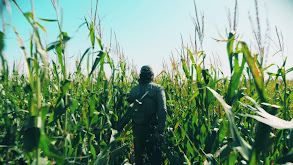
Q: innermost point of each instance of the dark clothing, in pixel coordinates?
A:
(147, 147)
(153, 105)
(148, 122)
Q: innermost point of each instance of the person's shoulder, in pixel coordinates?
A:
(134, 89)
(156, 86)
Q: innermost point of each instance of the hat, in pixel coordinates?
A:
(146, 74)
(146, 69)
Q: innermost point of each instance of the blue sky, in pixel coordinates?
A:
(149, 31)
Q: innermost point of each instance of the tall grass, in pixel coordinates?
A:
(54, 115)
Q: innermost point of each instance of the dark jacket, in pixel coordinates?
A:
(153, 107)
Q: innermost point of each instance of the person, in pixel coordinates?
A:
(149, 118)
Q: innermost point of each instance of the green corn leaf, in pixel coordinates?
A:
(60, 58)
(28, 16)
(48, 20)
(93, 151)
(94, 119)
(92, 104)
(194, 95)
(189, 148)
(55, 71)
(100, 43)
(239, 94)
(289, 70)
(185, 68)
(198, 73)
(254, 160)
(56, 44)
(236, 70)
(82, 57)
(256, 73)
(222, 131)
(230, 49)
(280, 123)
(268, 67)
(42, 27)
(267, 118)
(50, 150)
(99, 57)
(65, 86)
(206, 76)
(31, 45)
(284, 62)
(110, 61)
(74, 106)
(92, 34)
(1, 42)
(69, 145)
(232, 158)
(102, 159)
(241, 145)
(192, 54)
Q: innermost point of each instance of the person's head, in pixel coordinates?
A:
(146, 74)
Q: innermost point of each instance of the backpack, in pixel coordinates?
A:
(146, 108)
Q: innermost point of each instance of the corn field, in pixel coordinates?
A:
(55, 115)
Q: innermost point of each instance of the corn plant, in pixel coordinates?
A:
(54, 115)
